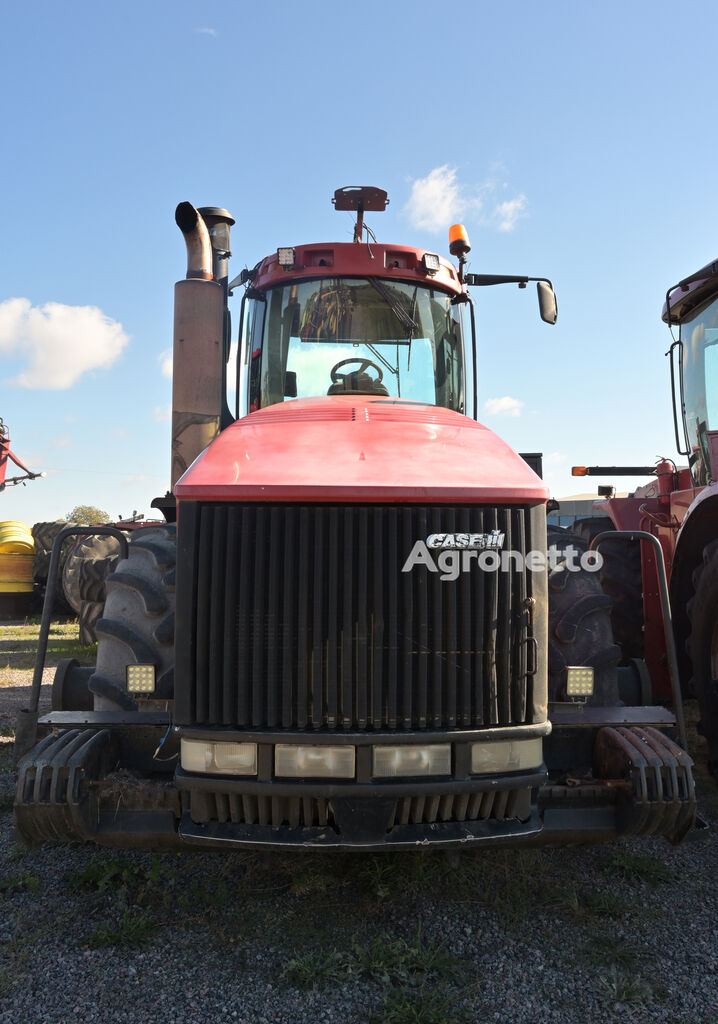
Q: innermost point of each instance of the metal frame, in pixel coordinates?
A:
(69, 531)
(643, 535)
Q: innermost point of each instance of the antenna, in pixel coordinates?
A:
(360, 198)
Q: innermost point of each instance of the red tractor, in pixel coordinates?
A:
(680, 508)
(341, 636)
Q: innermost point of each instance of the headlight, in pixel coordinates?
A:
(319, 762)
(505, 756)
(433, 759)
(221, 758)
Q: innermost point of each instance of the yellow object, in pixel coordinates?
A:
(459, 241)
(15, 574)
(15, 538)
(16, 558)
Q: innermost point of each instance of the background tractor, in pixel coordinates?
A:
(340, 636)
(680, 508)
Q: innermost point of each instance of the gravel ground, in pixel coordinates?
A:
(627, 931)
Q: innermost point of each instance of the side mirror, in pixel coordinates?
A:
(548, 307)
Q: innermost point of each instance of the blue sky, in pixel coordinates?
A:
(573, 140)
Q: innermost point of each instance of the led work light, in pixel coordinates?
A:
(285, 256)
(579, 683)
(140, 678)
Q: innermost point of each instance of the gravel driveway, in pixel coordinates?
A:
(625, 932)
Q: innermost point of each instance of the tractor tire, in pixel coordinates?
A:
(88, 564)
(90, 612)
(137, 626)
(44, 536)
(621, 579)
(702, 646)
(579, 626)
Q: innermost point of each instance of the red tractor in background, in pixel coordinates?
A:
(680, 508)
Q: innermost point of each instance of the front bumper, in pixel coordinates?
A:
(72, 785)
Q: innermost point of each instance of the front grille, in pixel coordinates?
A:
(301, 618)
(309, 812)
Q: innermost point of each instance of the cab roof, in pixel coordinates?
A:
(358, 259)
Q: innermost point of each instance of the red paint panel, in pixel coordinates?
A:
(359, 449)
(349, 259)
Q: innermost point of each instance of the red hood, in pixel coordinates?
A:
(359, 449)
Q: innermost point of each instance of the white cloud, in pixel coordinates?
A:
(163, 412)
(504, 406)
(437, 200)
(440, 199)
(58, 343)
(206, 32)
(165, 361)
(509, 212)
(136, 478)
(554, 458)
(62, 441)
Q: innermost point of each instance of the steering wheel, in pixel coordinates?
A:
(364, 363)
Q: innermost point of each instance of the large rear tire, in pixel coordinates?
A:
(138, 622)
(702, 646)
(580, 630)
(621, 579)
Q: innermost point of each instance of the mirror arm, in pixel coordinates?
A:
(484, 280)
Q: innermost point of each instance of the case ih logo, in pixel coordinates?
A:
(450, 554)
(493, 541)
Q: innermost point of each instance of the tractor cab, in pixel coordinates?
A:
(362, 318)
(693, 306)
(341, 335)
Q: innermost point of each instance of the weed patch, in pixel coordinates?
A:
(135, 928)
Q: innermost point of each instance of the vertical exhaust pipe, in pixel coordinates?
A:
(198, 362)
(219, 221)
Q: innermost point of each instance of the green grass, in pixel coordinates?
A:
(389, 961)
(605, 904)
(316, 969)
(604, 950)
(621, 988)
(580, 904)
(27, 881)
(19, 645)
(125, 879)
(421, 1005)
(638, 867)
(386, 961)
(135, 928)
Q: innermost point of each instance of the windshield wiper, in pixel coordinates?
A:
(396, 307)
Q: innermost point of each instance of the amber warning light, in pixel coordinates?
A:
(459, 241)
(579, 470)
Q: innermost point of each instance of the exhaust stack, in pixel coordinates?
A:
(198, 362)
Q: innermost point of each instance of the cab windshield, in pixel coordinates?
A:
(700, 385)
(352, 336)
